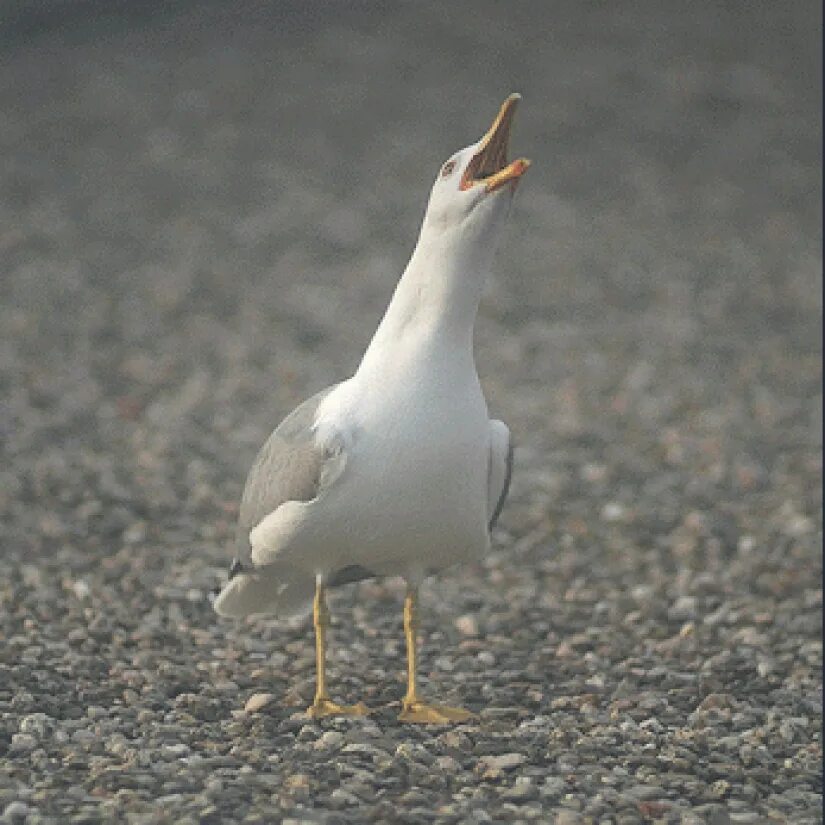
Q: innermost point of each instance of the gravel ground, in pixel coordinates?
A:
(203, 214)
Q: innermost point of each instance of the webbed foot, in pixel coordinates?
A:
(323, 706)
(424, 713)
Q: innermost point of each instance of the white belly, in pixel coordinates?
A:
(413, 496)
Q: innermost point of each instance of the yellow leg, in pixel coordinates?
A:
(413, 709)
(322, 705)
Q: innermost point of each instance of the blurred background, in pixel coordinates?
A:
(204, 208)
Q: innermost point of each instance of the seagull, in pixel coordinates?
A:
(398, 470)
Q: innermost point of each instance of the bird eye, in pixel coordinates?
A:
(447, 168)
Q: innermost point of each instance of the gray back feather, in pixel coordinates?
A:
(287, 468)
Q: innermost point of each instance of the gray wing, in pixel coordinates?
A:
(500, 469)
(287, 468)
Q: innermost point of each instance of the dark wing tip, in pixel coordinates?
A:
(508, 477)
(235, 568)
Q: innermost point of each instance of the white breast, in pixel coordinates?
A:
(415, 494)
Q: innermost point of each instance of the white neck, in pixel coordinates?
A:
(436, 300)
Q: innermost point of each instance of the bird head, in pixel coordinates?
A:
(475, 187)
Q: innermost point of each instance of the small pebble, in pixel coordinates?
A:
(257, 702)
(491, 767)
(15, 813)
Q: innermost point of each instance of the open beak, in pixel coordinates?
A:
(489, 165)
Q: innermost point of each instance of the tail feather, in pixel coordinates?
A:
(279, 590)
